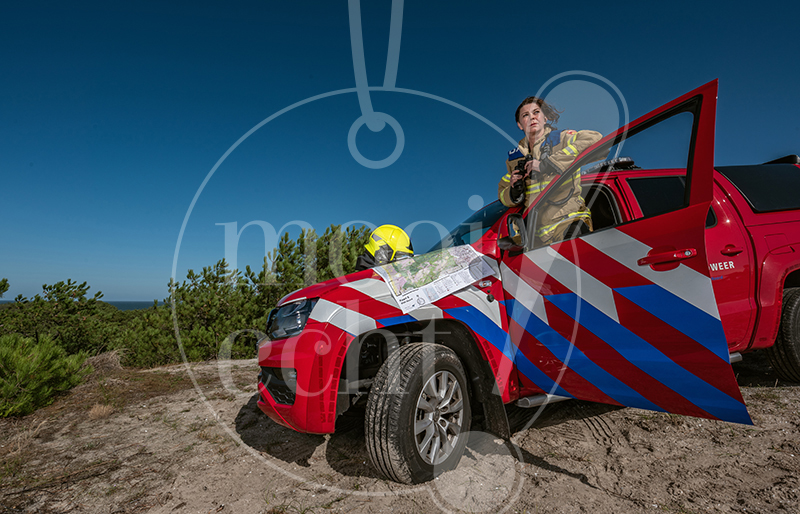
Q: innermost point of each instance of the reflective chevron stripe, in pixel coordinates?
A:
(683, 281)
(578, 334)
(581, 319)
(577, 280)
(350, 321)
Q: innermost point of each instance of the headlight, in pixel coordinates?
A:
(290, 319)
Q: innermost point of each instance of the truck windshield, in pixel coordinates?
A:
(471, 229)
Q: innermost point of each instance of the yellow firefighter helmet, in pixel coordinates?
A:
(389, 243)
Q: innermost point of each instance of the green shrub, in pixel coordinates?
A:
(210, 306)
(32, 373)
(64, 313)
(149, 338)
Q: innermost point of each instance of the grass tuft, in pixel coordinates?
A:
(100, 411)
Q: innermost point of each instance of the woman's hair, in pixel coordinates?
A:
(549, 111)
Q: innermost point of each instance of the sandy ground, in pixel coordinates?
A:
(161, 445)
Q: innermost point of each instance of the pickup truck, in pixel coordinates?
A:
(688, 268)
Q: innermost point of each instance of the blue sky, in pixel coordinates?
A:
(112, 115)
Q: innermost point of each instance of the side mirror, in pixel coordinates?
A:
(517, 240)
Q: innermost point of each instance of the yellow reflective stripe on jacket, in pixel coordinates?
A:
(570, 148)
(546, 229)
(536, 187)
(506, 177)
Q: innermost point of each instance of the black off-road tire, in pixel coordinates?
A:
(392, 413)
(784, 355)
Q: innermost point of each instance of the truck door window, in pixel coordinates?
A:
(664, 143)
(662, 146)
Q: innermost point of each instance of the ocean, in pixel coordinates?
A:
(121, 305)
(131, 306)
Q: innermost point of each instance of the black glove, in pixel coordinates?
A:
(520, 167)
(518, 191)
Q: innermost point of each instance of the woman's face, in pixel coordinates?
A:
(531, 121)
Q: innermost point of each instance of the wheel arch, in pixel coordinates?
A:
(779, 272)
(451, 333)
(487, 399)
(792, 279)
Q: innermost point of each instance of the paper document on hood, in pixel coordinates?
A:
(424, 279)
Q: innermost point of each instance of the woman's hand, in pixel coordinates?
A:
(532, 165)
(518, 175)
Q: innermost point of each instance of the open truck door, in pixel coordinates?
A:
(627, 315)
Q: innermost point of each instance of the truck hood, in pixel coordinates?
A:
(323, 288)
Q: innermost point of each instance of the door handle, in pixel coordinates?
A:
(665, 257)
(731, 250)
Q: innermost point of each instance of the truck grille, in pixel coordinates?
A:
(281, 391)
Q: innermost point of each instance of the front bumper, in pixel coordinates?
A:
(317, 354)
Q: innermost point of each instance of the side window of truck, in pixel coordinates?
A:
(602, 204)
(657, 195)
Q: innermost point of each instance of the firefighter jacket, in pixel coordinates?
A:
(566, 204)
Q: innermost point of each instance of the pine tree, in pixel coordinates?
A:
(62, 312)
(209, 306)
(288, 266)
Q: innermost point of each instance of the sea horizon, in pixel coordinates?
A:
(123, 305)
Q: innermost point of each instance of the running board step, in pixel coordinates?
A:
(540, 399)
